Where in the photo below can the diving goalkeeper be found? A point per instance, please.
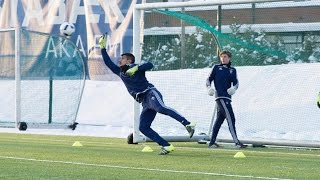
(133, 76)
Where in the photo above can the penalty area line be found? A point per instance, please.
(136, 168)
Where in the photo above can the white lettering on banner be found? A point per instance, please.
(62, 48)
(92, 18)
(95, 48)
(49, 50)
(112, 6)
(57, 12)
(13, 14)
(116, 49)
(31, 13)
(76, 11)
(79, 44)
(56, 7)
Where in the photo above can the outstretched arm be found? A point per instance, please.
(107, 60)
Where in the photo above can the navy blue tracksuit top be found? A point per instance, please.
(144, 92)
(134, 84)
(223, 76)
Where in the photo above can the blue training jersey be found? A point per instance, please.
(223, 77)
(135, 84)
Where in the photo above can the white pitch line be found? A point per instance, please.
(195, 148)
(136, 168)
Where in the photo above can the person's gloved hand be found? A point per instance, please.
(132, 71)
(231, 90)
(210, 91)
(103, 40)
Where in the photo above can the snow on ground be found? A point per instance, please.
(277, 102)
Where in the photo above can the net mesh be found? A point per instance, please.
(268, 51)
(52, 78)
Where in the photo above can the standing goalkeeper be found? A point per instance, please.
(133, 77)
(226, 83)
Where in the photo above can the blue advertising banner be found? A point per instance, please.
(91, 18)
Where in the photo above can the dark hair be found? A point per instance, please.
(228, 53)
(129, 56)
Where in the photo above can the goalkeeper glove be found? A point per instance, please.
(318, 100)
(231, 90)
(210, 91)
(103, 40)
(132, 71)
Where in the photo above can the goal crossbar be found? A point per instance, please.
(197, 3)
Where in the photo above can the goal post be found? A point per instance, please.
(9, 47)
(17, 76)
(138, 33)
(158, 34)
(42, 78)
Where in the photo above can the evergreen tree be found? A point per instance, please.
(253, 48)
(248, 48)
(165, 51)
(308, 52)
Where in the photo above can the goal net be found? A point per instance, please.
(42, 79)
(276, 61)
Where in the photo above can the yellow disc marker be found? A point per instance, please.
(147, 149)
(77, 144)
(239, 155)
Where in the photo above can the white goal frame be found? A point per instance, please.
(17, 112)
(137, 46)
(137, 43)
(17, 104)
